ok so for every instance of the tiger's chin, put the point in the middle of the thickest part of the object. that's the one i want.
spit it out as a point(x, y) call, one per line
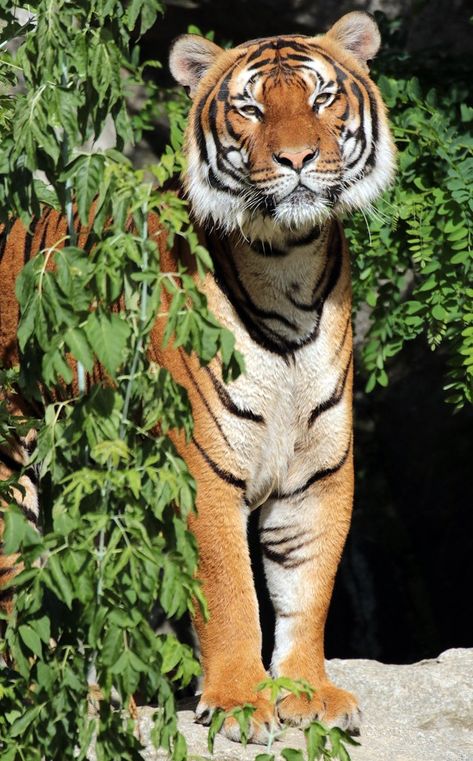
point(301, 209)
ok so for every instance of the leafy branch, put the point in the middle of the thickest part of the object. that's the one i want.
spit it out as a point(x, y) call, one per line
point(116, 496)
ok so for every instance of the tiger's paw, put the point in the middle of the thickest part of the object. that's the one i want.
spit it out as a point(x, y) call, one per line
point(330, 705)
point(262, 725)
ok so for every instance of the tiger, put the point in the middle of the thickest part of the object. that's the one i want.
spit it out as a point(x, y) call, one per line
point(285, 135)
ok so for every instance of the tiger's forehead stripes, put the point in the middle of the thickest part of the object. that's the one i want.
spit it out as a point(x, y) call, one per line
point(285, 59)
point(246, 85)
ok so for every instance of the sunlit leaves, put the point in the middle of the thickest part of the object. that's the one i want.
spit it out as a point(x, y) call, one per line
point(116, 493)
point(322, 743)
point(415, 268)
point(108, 334)
point(241, 715)
point(283, 684)
point(87, 171)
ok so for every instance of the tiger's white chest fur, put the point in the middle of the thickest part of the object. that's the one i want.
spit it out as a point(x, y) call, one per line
point(300, 300)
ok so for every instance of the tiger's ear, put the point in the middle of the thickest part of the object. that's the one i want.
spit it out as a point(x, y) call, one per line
point(190, 58)
point(358, 33)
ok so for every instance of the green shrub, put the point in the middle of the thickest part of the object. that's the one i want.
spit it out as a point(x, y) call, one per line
point(112, 543)
point(412, 257)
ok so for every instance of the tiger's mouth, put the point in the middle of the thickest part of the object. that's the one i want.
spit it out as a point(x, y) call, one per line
point(301, 196)
point(302, 207)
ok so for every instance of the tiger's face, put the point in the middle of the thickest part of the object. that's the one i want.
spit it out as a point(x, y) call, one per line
point(284, 132)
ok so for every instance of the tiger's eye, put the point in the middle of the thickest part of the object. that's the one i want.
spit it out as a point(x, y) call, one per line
point(251, 111)
point(322, 99)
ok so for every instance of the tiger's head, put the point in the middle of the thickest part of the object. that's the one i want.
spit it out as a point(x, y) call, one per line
point(284, 132)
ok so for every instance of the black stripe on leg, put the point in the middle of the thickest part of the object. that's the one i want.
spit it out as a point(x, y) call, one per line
point(31, 472)
point(342, 340)
point(297, 562)
point(3, 242)
point(282, 557)
point(284, 539)
point(225, 475)
point(319, 475)
point(228, 402)
point(286, 563)
point(29, 514)
point(202, 398)
point(282, 551)
point(334, 399)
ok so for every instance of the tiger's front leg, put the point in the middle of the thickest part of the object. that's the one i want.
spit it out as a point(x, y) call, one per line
point(230, 640)
point(302, 536)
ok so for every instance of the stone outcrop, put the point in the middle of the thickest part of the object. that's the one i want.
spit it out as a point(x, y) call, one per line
point(418, 712)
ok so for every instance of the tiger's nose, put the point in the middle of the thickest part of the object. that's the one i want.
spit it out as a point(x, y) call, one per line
point(295, 159)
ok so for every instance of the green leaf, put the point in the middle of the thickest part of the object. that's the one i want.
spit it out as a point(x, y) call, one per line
point(439, 312)
point(216, 724)
point(466, 112)
point(21, 725)
point(383, 378)
point(291, 754)
point(42, 626)
point(31, 639)
point(115, 451)
point(86, 171)
point(243, 716)
point(315, 737)
point(371, 298)
point(127, 670)
point(76, 340)
point(15, 530)
point(58, 581)
point(46, 194)
point(112, 646)
point(107, 335)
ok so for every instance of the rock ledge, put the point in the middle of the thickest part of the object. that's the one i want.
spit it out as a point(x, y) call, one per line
point(419, 712)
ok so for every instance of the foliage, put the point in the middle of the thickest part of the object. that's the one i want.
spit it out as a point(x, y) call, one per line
point(113, 542)
point(416, 272)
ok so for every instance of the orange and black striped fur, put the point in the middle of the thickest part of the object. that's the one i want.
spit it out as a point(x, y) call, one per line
point(285, 134)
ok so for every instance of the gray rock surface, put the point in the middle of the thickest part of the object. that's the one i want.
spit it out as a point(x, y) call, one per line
point(419, 712)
